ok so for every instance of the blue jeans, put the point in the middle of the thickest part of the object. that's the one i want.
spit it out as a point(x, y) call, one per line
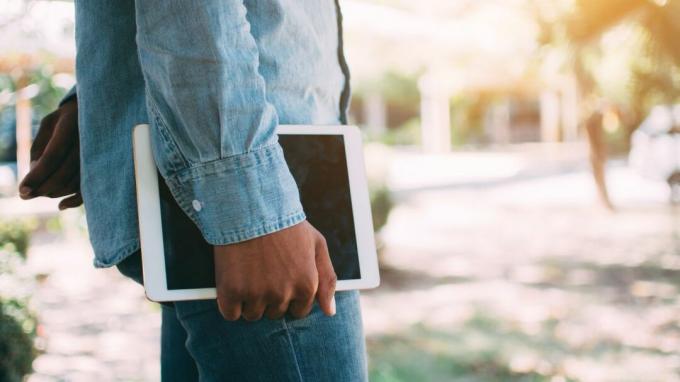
point(197, 344)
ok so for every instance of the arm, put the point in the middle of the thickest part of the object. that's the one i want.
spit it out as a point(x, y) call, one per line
point(214, 138)
point(212, 126)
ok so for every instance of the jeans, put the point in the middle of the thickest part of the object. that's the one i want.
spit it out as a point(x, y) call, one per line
point(197, 344)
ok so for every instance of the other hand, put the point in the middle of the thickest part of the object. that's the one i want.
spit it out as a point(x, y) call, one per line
point(55, 159)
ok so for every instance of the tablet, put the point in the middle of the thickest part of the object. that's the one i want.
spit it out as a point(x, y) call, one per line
point(328, 166)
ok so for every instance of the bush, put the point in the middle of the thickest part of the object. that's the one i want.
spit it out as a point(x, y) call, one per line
point(381, 204)
point(15, 237)
point(17, 323)
point(16, 343)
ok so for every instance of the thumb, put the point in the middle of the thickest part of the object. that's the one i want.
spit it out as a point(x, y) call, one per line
point(325, 294)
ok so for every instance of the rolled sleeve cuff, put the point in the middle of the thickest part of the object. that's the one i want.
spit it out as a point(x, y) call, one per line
point(71, 94)
point(240, 197)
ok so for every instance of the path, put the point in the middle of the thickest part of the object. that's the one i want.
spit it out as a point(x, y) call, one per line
point(529, 274)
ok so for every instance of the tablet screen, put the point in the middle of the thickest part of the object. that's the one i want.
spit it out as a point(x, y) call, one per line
point(319, 166)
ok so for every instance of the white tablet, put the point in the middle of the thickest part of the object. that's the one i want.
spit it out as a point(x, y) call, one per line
point(328, 166)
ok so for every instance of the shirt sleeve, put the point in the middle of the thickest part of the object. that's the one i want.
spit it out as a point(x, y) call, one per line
point(71, 94)
point(213, 130)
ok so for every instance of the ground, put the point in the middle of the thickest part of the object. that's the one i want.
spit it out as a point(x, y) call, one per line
point(527, 281)
point(518, 276)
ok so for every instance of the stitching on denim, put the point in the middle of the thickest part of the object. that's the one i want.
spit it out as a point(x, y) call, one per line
point(288, 330)
point(249, 233)
point(170, 147)
point(173, 148)
point(265, 155)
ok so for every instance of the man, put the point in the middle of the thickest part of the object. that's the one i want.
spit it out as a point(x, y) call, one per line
point(214, 79)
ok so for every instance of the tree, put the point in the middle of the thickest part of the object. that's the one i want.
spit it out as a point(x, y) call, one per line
point(654, 74)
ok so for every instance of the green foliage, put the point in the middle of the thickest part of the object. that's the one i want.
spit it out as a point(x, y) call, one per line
point(17, 323)
point(16, 342)
point(49, 94)
point(395, 87)
point(381, 205)
point(660, 20)
point(482, 349)
point(653, 65)
point(401, 96)
point(15, 237)
point(407, 134)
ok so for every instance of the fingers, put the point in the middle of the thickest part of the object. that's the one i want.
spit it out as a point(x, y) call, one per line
point(253, 310)
point(303, 297)
point(56, 184)
point(64, 137)
point(276, 311)
point(230, 308)
point(45, 168)
point(301, 307)
point(71, 202)
point(61, 144)
point(73, 186)
point(44, 134)
point(325, 293)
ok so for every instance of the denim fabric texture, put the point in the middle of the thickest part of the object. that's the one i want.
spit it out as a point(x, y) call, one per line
point(213, 79)
point(315, 348)
point(197, 344)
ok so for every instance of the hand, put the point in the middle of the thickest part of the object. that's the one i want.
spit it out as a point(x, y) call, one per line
point(272, 274)
point(55, 159)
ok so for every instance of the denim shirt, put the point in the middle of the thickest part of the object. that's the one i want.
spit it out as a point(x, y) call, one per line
point(213, 79)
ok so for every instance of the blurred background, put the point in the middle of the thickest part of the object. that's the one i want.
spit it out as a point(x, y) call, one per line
point(524, 162)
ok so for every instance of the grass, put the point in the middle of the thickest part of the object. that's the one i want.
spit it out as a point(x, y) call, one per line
point(482, 349)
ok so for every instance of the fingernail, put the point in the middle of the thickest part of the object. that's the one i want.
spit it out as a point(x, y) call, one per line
point(333, 306)
point(25, 190)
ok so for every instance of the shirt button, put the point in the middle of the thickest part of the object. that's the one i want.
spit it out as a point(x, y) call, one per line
point(197, 205)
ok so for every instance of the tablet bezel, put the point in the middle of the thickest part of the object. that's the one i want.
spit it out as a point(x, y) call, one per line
point(151, 230)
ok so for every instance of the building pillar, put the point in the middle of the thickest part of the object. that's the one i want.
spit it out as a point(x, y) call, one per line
point(375, 113)
point(550, 116)
point(435, 115)
point(23, 132)
point(570, 111)
point(497, 121)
